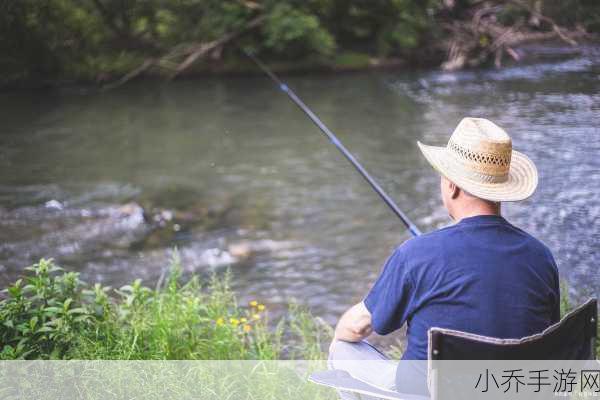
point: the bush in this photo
(52, 314)
(290, 28)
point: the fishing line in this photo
(331, 136)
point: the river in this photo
(233, 174)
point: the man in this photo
(481, 275)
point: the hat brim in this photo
(521, 183)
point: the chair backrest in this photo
(572, 338)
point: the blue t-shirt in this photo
(481, 275)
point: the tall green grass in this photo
(52, 314)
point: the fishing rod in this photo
(384, 196)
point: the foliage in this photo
(291, 28)
(43, 314)
(163, 380)
(102, 39)
(565, 302)
(53, 315)
(575, 12)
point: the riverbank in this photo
(51, 314)
(110, 43)
(341, 63)
(109, 75)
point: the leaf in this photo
(7, 348)
(28, 352)
(67, 303)
(78, 310)
(28, 288)
(126, 288)
(55, 355)
(14, 291)
(22, 343)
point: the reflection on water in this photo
(230, 172)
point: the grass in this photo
(52, 314)
(87, 379)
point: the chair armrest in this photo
(342, 380)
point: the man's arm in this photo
(354, 325)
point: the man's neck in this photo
(475, 211)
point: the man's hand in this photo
(354, 325)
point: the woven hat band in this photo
(477, 176)
(483, 166)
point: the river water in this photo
(233, 174)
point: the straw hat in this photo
(479, 159)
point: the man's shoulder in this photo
(537, 245)
(455, 237)
(532, 242)
(426, 240)
(425, 248)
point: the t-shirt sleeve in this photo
(391, 298)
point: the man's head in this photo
(480, 169)
(459, 203)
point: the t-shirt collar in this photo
(482, 219)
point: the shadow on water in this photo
(230, 172)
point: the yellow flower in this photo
(220, 321)
(256, 316)
(243, 320)
(234, 321)
(253, 303)
(261, 307)
(247, 328)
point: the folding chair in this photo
(572, 338)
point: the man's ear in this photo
(454, 190)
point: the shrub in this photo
(43, 314)
(52, 314)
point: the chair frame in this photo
(327, 378)
(435, 335)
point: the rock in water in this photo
(246, 249)
(54, 204)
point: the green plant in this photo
(43, 314)
(52, 314)
(288, 28)
(565, 302)
(312, 335)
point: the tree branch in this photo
(191, 53)
(202, 49)
(558, 30)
